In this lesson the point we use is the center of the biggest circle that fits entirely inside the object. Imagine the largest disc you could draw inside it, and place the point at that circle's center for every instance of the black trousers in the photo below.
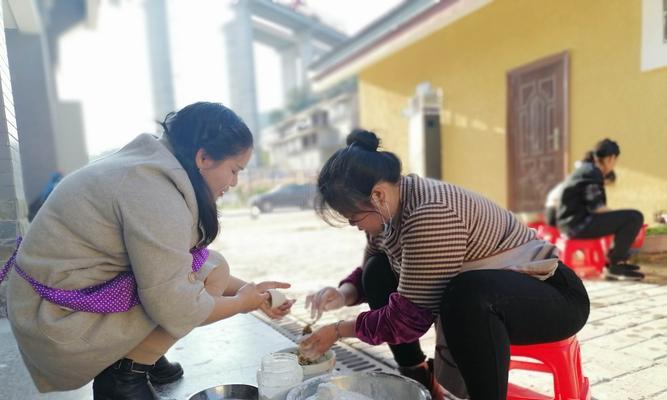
(623, 224)
(483, 312)
(379, 281)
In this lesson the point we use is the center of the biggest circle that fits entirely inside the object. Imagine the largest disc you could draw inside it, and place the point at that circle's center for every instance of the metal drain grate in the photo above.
(348, 359)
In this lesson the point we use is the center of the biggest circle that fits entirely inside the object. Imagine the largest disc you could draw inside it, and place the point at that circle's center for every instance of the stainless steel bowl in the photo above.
(227, 392)
(376, 385)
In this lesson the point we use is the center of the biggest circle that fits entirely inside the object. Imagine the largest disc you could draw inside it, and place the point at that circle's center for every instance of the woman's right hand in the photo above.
(326, 299)
(251, 296)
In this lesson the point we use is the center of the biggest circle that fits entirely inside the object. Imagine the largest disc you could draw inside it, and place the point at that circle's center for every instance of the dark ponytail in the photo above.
(589, 156)
(604, 148)
(347, 178)
(221, 134)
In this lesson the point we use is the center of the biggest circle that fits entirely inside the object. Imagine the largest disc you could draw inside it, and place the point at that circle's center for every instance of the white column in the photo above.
(425, 145)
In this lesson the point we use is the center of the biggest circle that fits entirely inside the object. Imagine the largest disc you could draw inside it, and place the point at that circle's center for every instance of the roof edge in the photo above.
(398, 29)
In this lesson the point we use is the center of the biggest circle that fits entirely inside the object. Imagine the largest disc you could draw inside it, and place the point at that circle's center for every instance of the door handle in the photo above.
(556, 136)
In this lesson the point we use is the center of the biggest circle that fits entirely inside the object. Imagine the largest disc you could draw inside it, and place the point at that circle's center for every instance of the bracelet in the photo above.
(336, 327)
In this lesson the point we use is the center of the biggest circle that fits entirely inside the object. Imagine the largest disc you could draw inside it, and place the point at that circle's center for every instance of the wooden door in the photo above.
(537, 131)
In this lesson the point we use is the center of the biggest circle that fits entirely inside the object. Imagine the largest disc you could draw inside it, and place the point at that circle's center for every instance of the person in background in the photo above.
(553, 198)
(437, 253)
(552, 203)
(583, 211)
(114, 268)
(46, 191)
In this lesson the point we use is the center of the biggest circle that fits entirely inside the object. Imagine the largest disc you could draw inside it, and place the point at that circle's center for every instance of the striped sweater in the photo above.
(440, 227)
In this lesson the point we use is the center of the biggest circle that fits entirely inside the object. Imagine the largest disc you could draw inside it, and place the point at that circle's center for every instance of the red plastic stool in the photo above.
(608, 240)
(548, 233)
(562, 360)
(639, 240)
(535, 224)
(585, 256)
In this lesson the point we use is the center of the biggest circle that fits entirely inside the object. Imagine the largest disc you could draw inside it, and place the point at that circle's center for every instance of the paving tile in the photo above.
(624, 345)
(599, 314)
(639, 385)
(600, 364)
(653, 349)
(592, 331)
(660, 396)
(535, 381)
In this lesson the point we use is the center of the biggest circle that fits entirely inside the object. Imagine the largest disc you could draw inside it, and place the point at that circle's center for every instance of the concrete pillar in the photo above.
(52, 132)
(306, 56)
(288, 61)
(157, 28)
(241, 67)
(12, 200)
(34, 100)
(425, 143)
(70, 144)
(71, 152)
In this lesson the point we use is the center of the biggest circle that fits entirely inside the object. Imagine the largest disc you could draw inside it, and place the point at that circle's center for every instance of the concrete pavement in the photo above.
(624, 344)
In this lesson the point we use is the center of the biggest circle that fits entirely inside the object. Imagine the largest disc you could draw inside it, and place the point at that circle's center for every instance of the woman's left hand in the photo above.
(314, 345)
(278, 312)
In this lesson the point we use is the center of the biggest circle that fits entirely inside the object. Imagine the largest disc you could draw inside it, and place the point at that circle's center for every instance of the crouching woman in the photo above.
(437, 253)
(114, 268)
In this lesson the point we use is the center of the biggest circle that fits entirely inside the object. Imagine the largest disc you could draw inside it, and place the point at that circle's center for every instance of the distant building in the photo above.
(304, 141)
(297, 38)
(50, 128)
(514, 91)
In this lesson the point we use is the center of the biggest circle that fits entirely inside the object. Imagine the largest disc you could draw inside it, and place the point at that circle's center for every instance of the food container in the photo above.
(375, 385)
(227, 392)
(322, 365)
(276, 298)
(277, 374)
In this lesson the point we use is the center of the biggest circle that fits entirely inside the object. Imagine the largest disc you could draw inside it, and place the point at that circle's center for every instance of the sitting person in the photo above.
(114, 268)
(553, 198)
(583, 211)
(552, 203)
(437, 253)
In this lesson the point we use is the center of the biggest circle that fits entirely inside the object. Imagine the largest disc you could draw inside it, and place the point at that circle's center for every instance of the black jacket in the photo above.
(582, 195)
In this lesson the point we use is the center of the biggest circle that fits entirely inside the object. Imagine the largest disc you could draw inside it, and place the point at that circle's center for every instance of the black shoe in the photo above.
(423, 373)
(627, 266)
(124, 380)
(620, 273)
(165, 372)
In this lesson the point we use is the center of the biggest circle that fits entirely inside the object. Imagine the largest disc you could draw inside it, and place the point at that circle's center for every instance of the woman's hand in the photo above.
(314, 345)
(326, 299)
(277, 312)
(251, 296)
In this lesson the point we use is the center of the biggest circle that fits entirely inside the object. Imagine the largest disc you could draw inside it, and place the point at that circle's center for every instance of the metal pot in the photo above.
(375, 385)
(227, 392)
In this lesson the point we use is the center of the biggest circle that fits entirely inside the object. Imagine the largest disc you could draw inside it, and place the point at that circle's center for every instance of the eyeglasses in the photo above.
(355, 221)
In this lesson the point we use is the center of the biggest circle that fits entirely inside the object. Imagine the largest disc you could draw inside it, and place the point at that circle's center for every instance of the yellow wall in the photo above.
(469, 60)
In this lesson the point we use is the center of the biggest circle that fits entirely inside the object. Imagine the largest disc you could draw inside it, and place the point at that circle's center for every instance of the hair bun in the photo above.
(367, 140)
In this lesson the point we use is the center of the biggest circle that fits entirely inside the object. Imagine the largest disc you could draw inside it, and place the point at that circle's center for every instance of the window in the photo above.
(654, 34)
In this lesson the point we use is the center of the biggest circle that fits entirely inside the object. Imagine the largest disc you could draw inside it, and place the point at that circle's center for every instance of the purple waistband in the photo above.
(116, 295)
(11, 261)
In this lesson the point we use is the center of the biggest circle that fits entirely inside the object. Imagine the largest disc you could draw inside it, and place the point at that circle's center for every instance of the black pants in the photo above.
(482, 312)
(550, 216)
(379, 281)
(623, 224)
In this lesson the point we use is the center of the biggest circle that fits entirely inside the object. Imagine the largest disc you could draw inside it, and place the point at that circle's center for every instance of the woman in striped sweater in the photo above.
(422, 234)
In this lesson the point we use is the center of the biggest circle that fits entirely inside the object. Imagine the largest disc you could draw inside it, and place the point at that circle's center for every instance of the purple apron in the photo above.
(116, 295)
